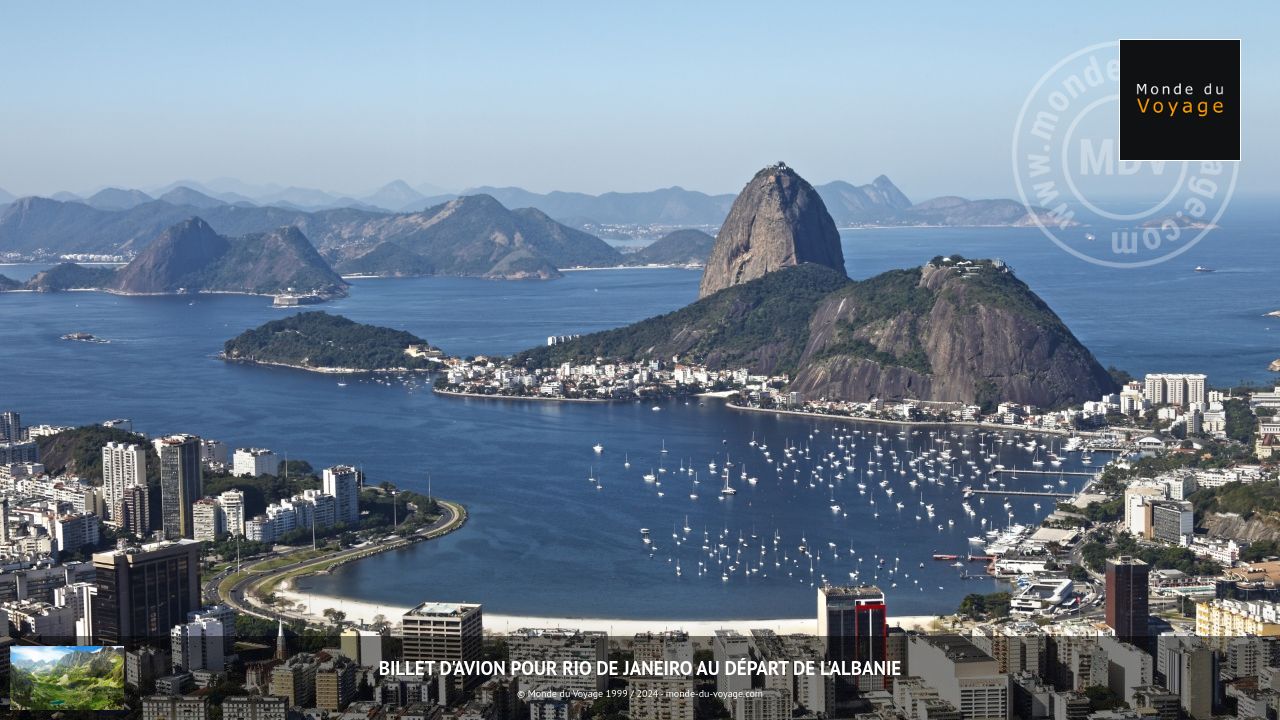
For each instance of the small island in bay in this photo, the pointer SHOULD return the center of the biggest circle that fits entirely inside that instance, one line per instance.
(320, 342)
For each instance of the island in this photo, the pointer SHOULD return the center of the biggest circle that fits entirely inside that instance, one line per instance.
(319, 342)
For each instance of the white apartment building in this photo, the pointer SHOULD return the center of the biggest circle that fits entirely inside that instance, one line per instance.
(341, 481)
(1179, 389)
(124, 465)
(231, 502)
(252, 462)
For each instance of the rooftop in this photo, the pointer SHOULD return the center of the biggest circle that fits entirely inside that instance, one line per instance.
(443, 609)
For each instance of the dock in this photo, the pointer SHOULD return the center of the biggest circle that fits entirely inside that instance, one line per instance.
(1026, 493)
(1073, 473)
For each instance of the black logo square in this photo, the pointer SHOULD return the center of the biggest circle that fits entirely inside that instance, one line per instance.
(1179, 99)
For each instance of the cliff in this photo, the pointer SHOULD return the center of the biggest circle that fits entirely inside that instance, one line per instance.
(777, 221)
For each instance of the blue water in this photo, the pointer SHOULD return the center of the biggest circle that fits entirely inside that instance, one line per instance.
(542, 539)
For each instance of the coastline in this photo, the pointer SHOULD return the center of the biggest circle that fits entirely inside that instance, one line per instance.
(539, 398)
(918, 423)
(322, 370)
(363, 611)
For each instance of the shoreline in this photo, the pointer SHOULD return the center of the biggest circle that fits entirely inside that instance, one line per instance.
(364, 611)
(538, 398)
(920, 423)
(322, 370)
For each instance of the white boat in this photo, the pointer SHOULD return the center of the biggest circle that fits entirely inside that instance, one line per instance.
(598, 448)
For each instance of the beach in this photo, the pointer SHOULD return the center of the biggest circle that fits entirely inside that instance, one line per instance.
(314, 606)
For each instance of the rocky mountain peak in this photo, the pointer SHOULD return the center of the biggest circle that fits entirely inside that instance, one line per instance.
(777, 221)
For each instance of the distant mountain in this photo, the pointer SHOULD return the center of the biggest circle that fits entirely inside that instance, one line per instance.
(300, 198)
(70, 276)
(387, 259)
(5, 197)
(396, 196)
(682, 247)
(117, 199)
(851, 203)
(190, 256)
(668, 206)
(777, 221)
(882, 203)
(185, 196)
(65, 196)
(7, 284)
(473, 235)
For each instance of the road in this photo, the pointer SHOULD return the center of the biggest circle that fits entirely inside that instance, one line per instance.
(236, 594)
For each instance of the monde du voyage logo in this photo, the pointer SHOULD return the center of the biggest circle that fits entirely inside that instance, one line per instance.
(1124, 152)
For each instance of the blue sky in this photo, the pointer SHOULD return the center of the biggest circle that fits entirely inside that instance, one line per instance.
(51, 653)
(572, 96)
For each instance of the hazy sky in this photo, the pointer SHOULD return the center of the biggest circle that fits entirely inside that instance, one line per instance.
(589, 97)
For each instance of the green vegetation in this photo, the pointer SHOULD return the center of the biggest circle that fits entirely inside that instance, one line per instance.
(763, 324)
(1242, 424)
(992, 605)
(79, 451)
(1159, 557)
(875, 302)
(87, 678)
(1260, 550)
(320, 340)
(1245, 500)
(1103, 698)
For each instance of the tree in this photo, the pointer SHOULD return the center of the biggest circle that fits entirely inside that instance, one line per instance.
(335, 616)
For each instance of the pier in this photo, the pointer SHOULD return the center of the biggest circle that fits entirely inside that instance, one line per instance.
(1055, 473)
(1027, 493)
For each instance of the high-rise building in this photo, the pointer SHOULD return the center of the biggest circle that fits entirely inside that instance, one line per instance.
(1173, 521)
(11, 426)
(199, 645)
(661, 698)
(144, 591)
(1127, 611)
(135, 510)
(181, 483)
(124, 465)
(335, 683)
(728, 647)
(295, 680)
(232, 504)
(206, 519)
(341, 482)
(362, 645)
(1181, 389)
(443, 631)
(853, 622)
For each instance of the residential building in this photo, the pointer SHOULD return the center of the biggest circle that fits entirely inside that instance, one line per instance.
(231, 502)
(206, 520)
(335, 683)
(295, 680)
(661, 698)
(342, 482)
(963, 675)
(254, 707)
(1173, 521)
(170, 707)
(252, 462)
(135, 511)
(124, 465)
(560, 646)
(199, 645)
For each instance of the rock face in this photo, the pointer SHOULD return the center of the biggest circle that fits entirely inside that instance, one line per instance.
(959, 331)
(778, 220)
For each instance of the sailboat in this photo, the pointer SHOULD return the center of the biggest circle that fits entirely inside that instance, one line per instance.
(626, 461)
(727, 489)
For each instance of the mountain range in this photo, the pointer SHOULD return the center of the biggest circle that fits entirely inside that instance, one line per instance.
(775, 298)
(191, 257)
(877, 203)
